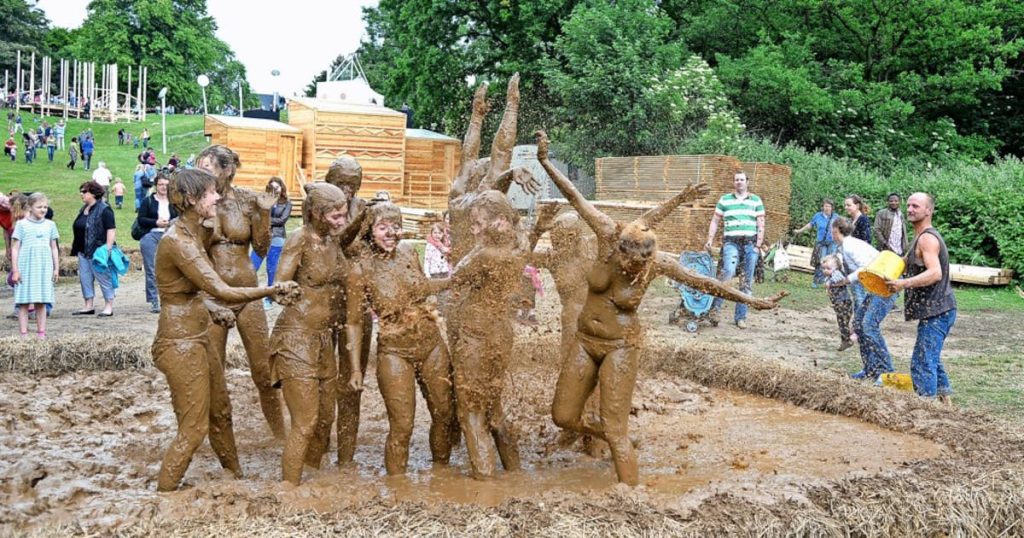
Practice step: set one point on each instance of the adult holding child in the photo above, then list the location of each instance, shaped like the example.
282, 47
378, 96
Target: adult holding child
155, 215
182, 349
929, 298
94, 227
609, 336
869, 310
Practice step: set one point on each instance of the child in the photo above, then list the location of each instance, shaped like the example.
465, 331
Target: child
34, 263
118, 190
839, 296
529, 287
435, 255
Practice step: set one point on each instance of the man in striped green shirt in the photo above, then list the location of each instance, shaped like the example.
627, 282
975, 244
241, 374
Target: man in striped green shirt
743, 233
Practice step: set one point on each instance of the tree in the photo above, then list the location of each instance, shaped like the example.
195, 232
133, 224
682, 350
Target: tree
23, 27
175, 39
608, 58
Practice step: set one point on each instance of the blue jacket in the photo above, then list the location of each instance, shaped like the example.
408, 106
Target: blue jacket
87, 147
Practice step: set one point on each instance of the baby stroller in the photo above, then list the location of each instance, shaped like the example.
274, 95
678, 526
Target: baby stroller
695, 304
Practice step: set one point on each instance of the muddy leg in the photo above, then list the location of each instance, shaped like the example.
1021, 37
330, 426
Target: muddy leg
479, 445
188, 376
576, 381
252, 327
348, 399
436, 386
302, 398
325, 420
504, 438
222, 433
618, 378
396, 378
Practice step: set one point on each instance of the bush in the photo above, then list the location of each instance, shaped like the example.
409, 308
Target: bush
979, 207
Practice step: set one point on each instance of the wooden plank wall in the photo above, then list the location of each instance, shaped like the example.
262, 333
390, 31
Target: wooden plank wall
304, 119
263, 154
376, 141
430, 168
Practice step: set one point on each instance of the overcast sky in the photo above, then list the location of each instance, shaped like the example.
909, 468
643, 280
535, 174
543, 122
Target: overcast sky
267, 35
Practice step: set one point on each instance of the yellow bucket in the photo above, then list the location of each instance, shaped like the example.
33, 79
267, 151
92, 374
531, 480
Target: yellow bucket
887, 265
898, 381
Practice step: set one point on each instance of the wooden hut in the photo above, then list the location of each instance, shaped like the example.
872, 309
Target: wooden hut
266, 147
432, 161
373, 135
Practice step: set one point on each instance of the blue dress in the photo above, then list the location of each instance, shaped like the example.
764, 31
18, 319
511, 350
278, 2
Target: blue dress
35, 261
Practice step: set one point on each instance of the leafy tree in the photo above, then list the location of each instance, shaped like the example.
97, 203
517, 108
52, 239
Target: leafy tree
22, 27
608, 58
173, 38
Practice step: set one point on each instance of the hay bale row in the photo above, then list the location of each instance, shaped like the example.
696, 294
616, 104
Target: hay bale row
68, 264
95, 351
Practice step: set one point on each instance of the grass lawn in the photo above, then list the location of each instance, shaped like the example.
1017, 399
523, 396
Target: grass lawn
184, 136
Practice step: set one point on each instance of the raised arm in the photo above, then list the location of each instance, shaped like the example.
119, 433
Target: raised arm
602, 225
259, 221
353, 228
471, 143
666, 265
505, 138
692, 192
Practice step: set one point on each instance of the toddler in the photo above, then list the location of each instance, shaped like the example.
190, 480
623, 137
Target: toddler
839, 296
118, 190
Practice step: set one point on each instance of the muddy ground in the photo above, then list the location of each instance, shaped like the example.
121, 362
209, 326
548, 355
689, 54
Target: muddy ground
81, 450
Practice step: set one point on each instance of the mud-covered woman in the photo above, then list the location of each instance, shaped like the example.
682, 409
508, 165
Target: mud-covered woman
182, 349
303, 343
609, 335
410, 350
243, 219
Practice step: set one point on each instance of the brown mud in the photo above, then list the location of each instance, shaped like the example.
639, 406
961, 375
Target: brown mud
82, 450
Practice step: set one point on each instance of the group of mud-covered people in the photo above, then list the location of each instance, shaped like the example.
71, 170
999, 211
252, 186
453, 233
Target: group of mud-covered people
347, 262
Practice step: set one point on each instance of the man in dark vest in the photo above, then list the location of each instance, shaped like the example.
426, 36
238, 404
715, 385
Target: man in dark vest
929, 298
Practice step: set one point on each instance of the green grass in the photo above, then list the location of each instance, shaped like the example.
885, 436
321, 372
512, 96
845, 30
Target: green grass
184, 136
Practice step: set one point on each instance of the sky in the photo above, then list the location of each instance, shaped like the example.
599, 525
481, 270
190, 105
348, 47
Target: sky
263, 40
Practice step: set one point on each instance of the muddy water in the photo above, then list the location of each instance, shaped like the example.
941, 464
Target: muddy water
87, 447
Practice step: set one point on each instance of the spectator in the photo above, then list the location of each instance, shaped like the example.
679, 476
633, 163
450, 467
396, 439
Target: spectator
858, 210
58, 131
743, 234
11, 148
155, 215
839, 296
102, 175
87, 147
93, 228
138, 182
279, 214
30, 146
18, 126
871, 310
120, 137
823, 245
145, 137
436, 252
929, 299
51, 146
73, 153
6, 223
890, 229
34, 265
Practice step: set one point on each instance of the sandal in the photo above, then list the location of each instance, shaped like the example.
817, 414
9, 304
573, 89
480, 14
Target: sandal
84, 312
105, 314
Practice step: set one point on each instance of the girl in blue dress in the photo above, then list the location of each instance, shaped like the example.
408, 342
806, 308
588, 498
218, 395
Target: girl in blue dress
34, 263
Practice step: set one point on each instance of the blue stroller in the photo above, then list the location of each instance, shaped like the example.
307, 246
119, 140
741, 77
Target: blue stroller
695, 304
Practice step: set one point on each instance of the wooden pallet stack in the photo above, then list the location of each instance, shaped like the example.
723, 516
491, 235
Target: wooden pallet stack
416, 223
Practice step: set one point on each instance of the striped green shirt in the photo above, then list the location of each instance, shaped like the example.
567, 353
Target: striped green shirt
740, 215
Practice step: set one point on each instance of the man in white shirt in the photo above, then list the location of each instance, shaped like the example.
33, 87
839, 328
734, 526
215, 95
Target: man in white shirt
102, 175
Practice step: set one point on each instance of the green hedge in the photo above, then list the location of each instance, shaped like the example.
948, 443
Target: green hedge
979, 207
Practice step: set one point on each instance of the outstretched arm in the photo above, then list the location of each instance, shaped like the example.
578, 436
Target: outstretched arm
656, 214
602, 225
471, 143
666, 265
353, 228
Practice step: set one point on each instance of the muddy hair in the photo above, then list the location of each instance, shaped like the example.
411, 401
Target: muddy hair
644, 247
864, 207
190, 183
374, 214
322, 198
280, 183
345, 171
223, 156
494, 203
844, 225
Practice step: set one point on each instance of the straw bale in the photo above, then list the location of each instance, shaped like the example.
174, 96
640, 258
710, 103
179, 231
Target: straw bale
68, 264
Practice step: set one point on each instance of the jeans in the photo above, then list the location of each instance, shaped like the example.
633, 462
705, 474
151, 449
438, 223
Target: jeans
874, 352
926, 368
140, 195
28, 155
273, 255
826, 248
49, 152
147, 246
87, 157
89, 275
730, 261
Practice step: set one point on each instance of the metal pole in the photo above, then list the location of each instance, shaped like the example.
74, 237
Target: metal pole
240, 99
128, 94
205, 110
163, 121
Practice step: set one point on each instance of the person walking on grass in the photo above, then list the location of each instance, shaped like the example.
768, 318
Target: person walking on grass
823, 244
58, 131
34, 263
929, 299
118, 189
51, 146
87, 147
73, 153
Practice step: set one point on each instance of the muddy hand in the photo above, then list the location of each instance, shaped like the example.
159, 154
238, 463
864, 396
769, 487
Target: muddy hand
770, 302
287, 293
699, 190
545, 216
223, 317
542, 145
266, 200
525, 179
355, 381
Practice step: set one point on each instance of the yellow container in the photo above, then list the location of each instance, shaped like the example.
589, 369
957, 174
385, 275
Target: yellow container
886, 266
898, 381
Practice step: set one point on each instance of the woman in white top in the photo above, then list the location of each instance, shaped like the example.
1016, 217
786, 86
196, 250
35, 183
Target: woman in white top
155, 214
869, 309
